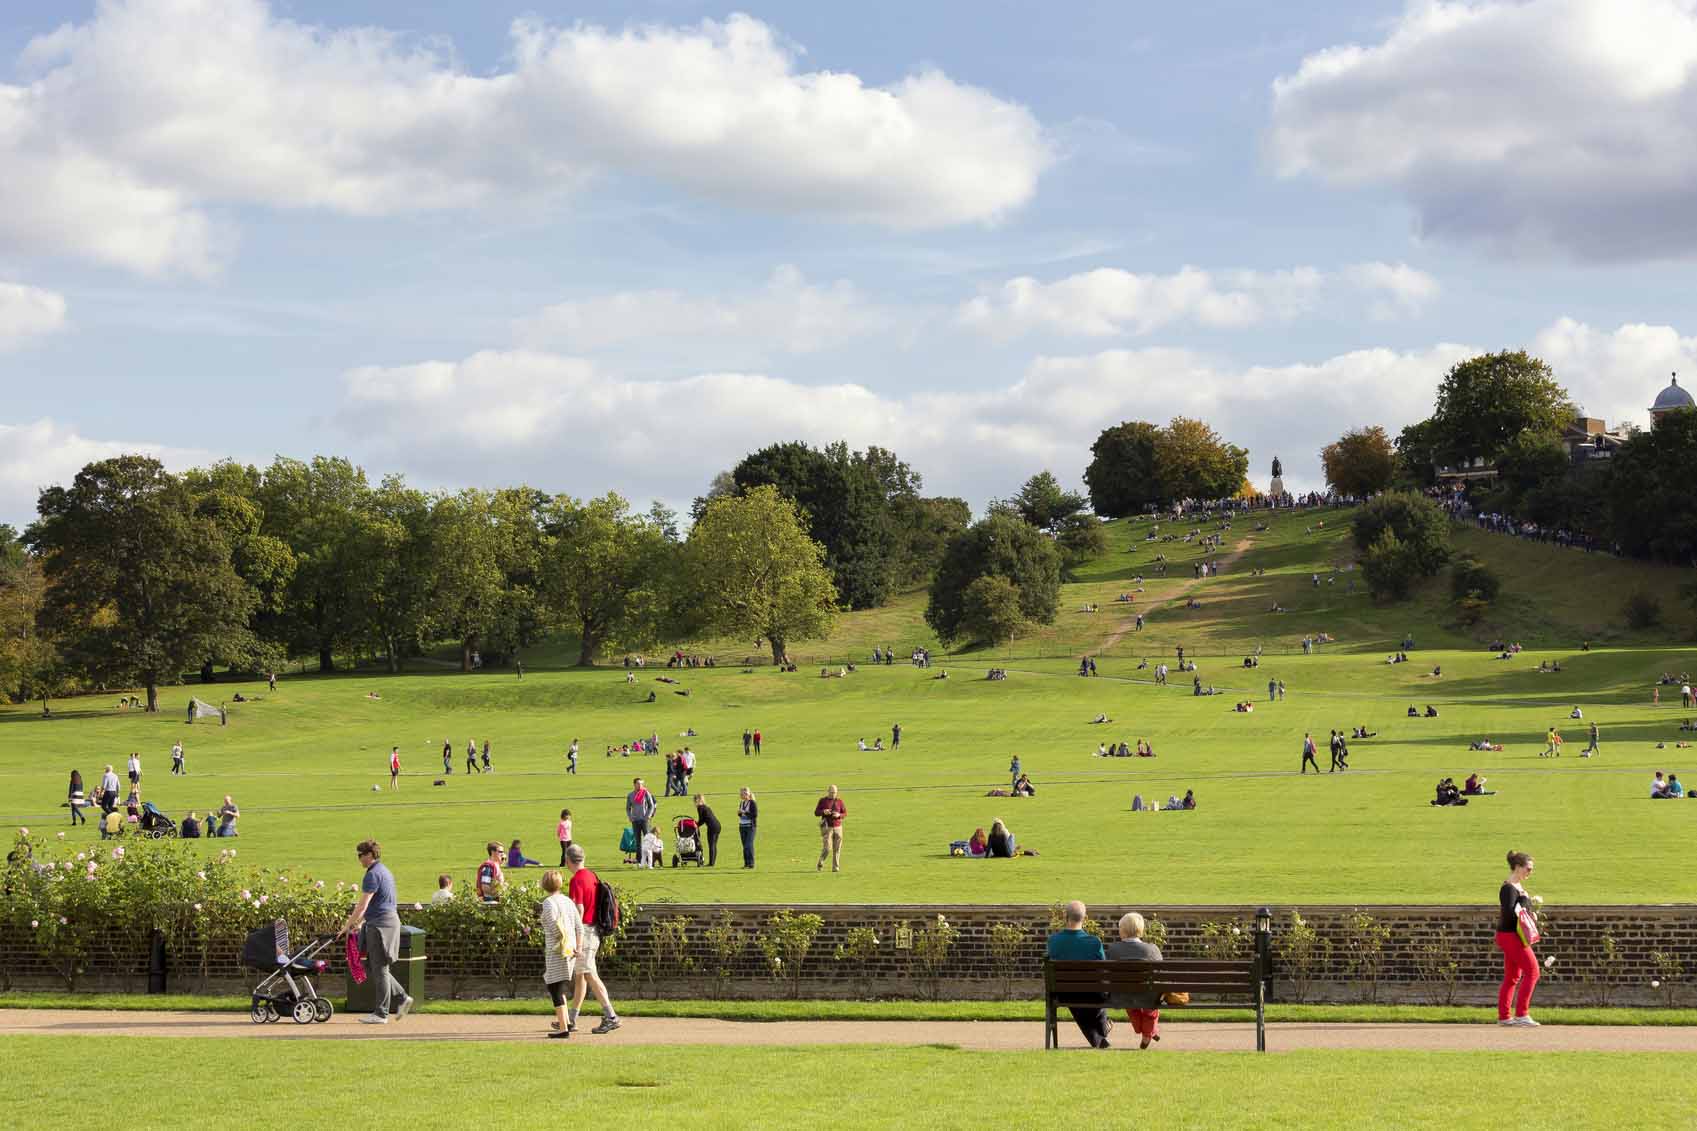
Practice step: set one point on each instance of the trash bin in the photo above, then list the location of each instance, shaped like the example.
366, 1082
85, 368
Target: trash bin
408, 970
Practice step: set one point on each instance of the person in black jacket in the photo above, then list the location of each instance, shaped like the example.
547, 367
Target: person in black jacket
709, 826
748, 816
1520, 964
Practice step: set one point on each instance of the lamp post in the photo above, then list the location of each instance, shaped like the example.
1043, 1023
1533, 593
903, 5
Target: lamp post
1263, 972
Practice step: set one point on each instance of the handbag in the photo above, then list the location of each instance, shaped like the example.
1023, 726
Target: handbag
1528, 926
1175, 997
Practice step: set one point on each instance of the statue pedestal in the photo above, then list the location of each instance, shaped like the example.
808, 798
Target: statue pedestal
1277, 487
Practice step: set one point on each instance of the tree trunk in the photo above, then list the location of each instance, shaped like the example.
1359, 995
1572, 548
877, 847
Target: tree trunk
326, 661
465, 653
394, 656
152, 693
206, 675
588, 646
777, 649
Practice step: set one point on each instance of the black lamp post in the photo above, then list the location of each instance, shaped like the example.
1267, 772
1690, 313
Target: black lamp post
1263, 972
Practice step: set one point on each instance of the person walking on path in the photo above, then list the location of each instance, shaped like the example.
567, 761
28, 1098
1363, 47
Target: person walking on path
563, 833
471, 756
1281, 690
447, 755
1308, 754
709, 826
375, 917
1074, 943
76, 799
1335, 760
108, 790
1272, 690
1013, 770
135, 769
271, 680
830, 812
571, 757
895, 735
1143, 1010
177, 766
1520, 964
747, 740
748, 816
487, 767
639, 810
1593, 748
584, 890
394, 767
757, 741
562, 929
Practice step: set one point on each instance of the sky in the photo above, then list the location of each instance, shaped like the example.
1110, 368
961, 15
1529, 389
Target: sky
593, 247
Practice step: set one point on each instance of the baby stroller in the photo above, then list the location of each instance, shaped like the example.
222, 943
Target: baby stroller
286, 989
686, 847
154, 824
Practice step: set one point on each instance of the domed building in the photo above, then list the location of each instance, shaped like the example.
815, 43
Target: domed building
1671, 399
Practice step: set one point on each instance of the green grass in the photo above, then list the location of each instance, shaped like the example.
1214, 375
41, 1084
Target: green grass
302, 762
294, 1083
838, 1010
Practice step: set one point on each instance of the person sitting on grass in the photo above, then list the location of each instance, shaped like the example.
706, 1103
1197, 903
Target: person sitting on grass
1100, 719
1413, 711
444, 889
1448, 794
978, 846
1000, 842
1431, 711
1362, 732
517, 859
1144, 749
1189, 801
190, 828
1101, 750
1023, 787
1658, 787
878, 743
1138, 805
1674, 788
1474, 786
1576, 713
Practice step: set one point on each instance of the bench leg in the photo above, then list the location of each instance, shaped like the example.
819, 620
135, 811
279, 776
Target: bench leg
1050, 1037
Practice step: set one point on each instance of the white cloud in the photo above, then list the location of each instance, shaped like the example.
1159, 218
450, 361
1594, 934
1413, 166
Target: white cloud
134, 127
27, 312
1530, 126
43, 453
1615, 375
1109, 302
789, 315
564, 424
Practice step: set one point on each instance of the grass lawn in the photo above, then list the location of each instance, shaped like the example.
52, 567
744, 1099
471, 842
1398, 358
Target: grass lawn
302, 762
295, 1083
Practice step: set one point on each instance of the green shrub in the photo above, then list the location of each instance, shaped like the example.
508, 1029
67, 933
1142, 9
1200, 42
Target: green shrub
1302, 952
785, 942
990, 610
1642, 610
1470, 577
1390, 567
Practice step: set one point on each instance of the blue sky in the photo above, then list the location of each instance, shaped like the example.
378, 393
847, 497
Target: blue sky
597, 246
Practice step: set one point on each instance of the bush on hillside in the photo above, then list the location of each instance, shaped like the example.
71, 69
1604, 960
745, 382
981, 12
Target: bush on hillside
1003, 546
990, 611
1471, 577
1642, 610
1390, 567
1420, 525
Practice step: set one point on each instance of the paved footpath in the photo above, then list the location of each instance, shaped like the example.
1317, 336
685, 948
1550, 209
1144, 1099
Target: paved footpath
987, 1035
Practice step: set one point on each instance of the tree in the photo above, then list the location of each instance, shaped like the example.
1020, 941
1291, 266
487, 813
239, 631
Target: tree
1043, 503
1192, 462
1421, 527
1485, 401
990, 610
31, 664
397, 618
1080, 538
1649, 491
1417, 455
1531, 460
467, 595
1003, 546
604, 573
752, 570
139, 585
1121, 476
1390, 566
1361, 462
319, 510
924, 527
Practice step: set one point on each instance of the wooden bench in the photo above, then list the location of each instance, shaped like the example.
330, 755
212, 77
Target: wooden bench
1087, 983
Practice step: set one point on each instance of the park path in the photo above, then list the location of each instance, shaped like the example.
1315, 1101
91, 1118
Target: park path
995, 1036
1184, 591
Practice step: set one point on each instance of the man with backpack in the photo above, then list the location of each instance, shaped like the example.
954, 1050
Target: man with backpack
598, 906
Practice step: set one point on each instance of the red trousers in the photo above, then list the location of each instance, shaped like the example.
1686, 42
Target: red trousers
1520, 975
1144, 1022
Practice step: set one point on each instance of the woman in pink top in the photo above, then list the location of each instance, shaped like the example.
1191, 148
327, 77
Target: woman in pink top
563, 831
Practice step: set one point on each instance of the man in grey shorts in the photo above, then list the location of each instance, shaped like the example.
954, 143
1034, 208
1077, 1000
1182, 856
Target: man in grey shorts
582, 890
375, 916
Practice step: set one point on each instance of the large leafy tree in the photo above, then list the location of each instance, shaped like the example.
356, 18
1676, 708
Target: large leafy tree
1650, 490
1121, 476
752, 570
31, 664
1043, 503
1417, 455
228, 494
488, 552
1004, 546
1193, 462
1360, 462
605, 572
924, 527
1420, 526
401, 526
1486, 401
320, 510
140, 586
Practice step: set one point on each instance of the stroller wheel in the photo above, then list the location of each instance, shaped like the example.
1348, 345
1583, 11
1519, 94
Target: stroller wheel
260, 1009
304, 1012
322, 1009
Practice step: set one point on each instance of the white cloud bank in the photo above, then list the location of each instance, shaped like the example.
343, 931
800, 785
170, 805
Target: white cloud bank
1110, 302
28, 312
131, 129
1564, 125
44, 452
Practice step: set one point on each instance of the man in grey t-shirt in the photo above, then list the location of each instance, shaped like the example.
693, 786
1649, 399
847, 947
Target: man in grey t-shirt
376, 917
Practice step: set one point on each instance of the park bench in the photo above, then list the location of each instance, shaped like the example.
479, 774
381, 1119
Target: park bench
1087, 983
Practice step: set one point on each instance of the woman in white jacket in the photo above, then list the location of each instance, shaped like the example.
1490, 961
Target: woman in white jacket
562, 935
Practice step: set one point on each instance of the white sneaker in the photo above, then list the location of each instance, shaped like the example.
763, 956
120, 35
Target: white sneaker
373, 1019
1507, 1021
1525, 1023
402, 1009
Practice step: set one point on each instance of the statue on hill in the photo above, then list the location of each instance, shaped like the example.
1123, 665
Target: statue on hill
1277, 487
1278, 468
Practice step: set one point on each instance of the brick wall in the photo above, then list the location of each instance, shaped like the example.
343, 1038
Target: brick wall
1420, 937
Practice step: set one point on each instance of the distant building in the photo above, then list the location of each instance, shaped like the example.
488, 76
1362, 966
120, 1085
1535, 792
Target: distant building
1671, 399
1588, 438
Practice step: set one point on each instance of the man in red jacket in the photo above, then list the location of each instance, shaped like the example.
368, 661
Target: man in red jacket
830, 812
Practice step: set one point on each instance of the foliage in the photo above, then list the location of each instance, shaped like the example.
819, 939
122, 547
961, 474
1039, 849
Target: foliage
1360, 462
32, 666
990, 612
932, 945
670, 936
1669, 971
1652, 509
1438, 967
1193, 462
1417, 456
1043, 503
858, 947
1531, 459
725, 942
1008, 945
1642, 610
1223, 941
604, 572
1303, 953
1366, 938
138, 585
753, 571
1607, 975
785, 941
1469, 575
1485, 402
1081, 538
1471, 609
1419, 524
1121, 475
925, 526
1154, 931
1390, 567
1001, 546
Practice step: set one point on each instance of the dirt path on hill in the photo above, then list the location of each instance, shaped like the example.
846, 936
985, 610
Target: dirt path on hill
1119, 633
997, 1036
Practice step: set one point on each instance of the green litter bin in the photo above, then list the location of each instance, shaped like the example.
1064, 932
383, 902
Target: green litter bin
408, 970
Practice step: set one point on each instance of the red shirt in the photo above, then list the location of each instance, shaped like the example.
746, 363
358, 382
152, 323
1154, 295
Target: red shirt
832, 809
581, 891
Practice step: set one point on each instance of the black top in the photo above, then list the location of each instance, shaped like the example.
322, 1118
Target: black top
705, 818
999, 846
1510, 899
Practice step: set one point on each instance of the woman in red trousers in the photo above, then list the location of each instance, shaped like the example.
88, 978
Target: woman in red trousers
1520, 965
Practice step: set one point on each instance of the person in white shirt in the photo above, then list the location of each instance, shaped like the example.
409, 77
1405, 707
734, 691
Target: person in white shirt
444, 889
562, 939
653, 850
177, 766
135, 769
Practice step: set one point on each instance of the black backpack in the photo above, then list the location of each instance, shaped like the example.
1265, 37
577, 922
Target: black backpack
606, 908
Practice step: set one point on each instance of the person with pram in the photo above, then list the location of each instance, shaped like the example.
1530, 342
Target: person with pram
375, 917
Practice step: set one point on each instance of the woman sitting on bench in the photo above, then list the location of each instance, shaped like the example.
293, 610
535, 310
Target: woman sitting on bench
1142, 1010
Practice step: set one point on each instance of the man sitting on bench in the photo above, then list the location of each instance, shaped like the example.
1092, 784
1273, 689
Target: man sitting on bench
1073, 942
